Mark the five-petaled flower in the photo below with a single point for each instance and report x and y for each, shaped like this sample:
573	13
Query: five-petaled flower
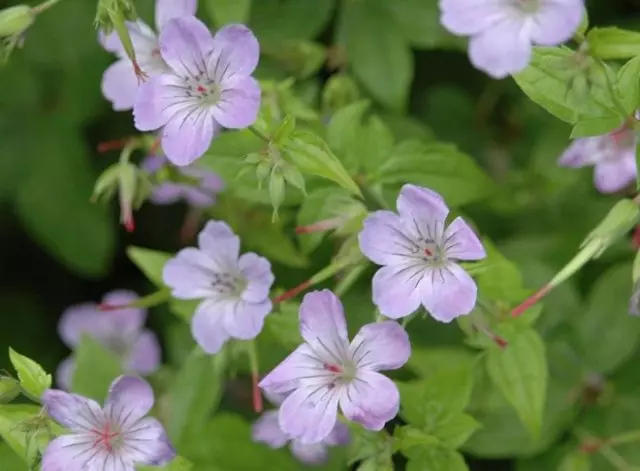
234	289
208	87
198	190
114	438
612	155
503	31
119	82
327	371
419	253
121	331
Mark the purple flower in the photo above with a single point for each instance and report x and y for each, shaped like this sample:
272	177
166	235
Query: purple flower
267	430
199	193
208	87
114	438
119	82
234	288
613	156
418	254
121	331
502	31
327	371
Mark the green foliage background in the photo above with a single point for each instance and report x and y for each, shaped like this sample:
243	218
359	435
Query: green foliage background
57	248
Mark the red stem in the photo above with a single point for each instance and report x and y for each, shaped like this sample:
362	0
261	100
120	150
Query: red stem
530	301
292	293
257	395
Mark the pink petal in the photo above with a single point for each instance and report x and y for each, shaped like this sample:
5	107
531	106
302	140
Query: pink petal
448	293
309	414
468	17
74	412
381	346
243	320
185	43
313	455
257	272
158	100
614	175
120	85
556	22
188	134
64	373
267	430
145	356
239	103
395	289
70	453
384	239
236	53
188	274
131	397
299	368
462	243
372	400
423	211
583	152
148	443
169	9
207	327
219	241
323	326
127	320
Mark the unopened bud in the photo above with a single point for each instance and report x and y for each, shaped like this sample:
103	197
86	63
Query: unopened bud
108	9
106	184
293	177
340	91
9	389
285	129
127	179
300	58
276	190
620	220
15	20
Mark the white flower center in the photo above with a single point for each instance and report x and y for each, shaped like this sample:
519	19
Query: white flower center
107	437
204	89
527	6
228	284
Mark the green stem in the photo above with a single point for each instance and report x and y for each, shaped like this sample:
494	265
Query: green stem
623	438
348	281
259	134
44	6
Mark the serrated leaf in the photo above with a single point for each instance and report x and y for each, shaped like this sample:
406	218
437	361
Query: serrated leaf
33	379
95	369
150	262
285	325
595	126
436	459
457	430
628	85
27	442
613	43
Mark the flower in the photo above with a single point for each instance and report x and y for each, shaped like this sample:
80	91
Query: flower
234	289
114	438
502	31
326	372
200	193
121	331
208	86
267	430
119	82
418	254
613	156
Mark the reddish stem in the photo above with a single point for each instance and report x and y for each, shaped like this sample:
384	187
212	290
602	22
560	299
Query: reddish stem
635	239
292	293
319	226
116	144
129	224
257	395
106	307
530	301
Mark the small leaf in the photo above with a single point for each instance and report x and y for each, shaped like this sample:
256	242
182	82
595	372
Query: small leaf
436	459
575	461
285	325
33	379
95	369
150	262
407	437
295	19
225	12
457	430
27	441
595	126
613	43
628	85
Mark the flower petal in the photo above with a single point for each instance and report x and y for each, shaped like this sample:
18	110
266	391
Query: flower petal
244	320
145	354
372	400
309	414
423	212
221	244
314	455
339	435
257	272
126	320
169	9
448	293
383	239
158	100
502	50
239	103
79	320
236	53
120	85
395	289
167	193
71	453
146	442
185	43
301	367
130	399
207	327
188	135
555	22
612	176
462	243
467	17
583	152
323	326
189	274
64	373
381	346
267	430
74	412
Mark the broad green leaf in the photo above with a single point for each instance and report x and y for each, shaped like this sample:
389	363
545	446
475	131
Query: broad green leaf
595	126
628	85
373	449
24	430
290	19
457	430
520	373
407	437
436	459
575	461
33	379
344	126
9	389
95	369
226	12
177	464
606	322
298	58
383	61
426	362
195	395
502	279
613	43
10	459
440	167
150	262
285	324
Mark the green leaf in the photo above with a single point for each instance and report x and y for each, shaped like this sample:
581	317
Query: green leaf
177	464
226	12
373	449
33	379
613	43
95	369
457	430
606	322
520	372
407	437
383	61
595	126
295	19
440	167
10	459
436	459
311	155
23	429
285	325
502	280
150	262
575	461
195	394
628	85
344	127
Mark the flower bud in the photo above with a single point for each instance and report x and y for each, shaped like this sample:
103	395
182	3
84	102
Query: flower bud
300	58
15	20
340	91
9	389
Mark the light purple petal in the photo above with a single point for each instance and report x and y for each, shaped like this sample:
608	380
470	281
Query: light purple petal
132	397
74	412
120	85
239	103
502	50
467	17
309	414
322	324
188	274
339	435
145	354
462	243
313	455
188	135
185	44
67	453
422	210
64	373
582	152
158	100
111	42
395	289
236	53
210	180
556	21
383	239
220	243
207	327
127	320
148	443
267	430
372	400
381	346
167	193
79	320
296	369
168	9
615	175
257	272
448	293
153	163
197	198
244	320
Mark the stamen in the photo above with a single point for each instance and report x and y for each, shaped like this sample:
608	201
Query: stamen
428	252
201	89
333	368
